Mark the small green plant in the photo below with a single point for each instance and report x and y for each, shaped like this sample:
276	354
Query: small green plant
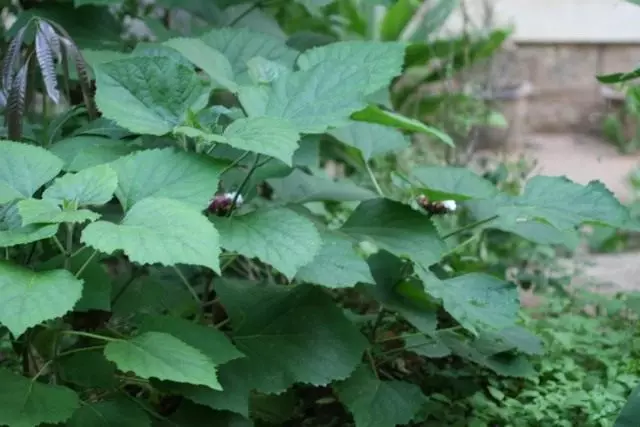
181	260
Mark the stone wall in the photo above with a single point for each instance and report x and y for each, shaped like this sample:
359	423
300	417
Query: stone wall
566	96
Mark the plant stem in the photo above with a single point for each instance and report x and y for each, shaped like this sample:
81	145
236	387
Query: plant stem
186	283
243	184
376	323
59	245
90	335
250	9
469	226
235	162
79	350
69	247
124	288
373	179
86	263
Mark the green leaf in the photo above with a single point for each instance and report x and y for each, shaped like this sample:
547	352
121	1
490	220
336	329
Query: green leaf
239	45
457	183
119	412
26	403
147	95
376	403
24	169
34	211
434	19
28	298
371	139
396	18
279	237
382	61
289	335
162	356
338	257
264	135
13	233
92	186
390	275
158	230
477	301
502	364
167	173
563	204
97	287
85	151
425	346
508	339
631	410
316	99
614	78
375	114
396	228
151	295
208	340
263	71
234	396
88	369
210	60
299	187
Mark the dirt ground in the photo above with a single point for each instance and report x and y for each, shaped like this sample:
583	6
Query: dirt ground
582	159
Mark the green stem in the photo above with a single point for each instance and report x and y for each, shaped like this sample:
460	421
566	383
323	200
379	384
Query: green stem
235	162
373	179
243	184
41	371
469	226
90	335
86	263
59	245
69	247
79	350
187	285
250	9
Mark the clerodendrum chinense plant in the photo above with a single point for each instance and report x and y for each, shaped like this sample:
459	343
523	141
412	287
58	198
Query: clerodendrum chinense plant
217	313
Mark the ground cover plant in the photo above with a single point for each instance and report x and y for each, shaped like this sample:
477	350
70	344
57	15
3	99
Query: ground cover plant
175	255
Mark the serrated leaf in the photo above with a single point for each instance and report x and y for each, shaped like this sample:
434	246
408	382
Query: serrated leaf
158	230
91	186
396	228
425	346
154	49
119	412
168	173
26	403
382	61
371	139
13	233
375	114
289	336
36	211
337	265
316	99
376	403
456	183
508	339
279	237
162	356
210	60
477	301
24	169
147	95
390	275
299	187
265	135
88	369
28	298
239	45
563	204
85	151
502	364
233	397
97	287
208	340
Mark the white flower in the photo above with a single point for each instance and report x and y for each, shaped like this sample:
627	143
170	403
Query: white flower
231	196
450	205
